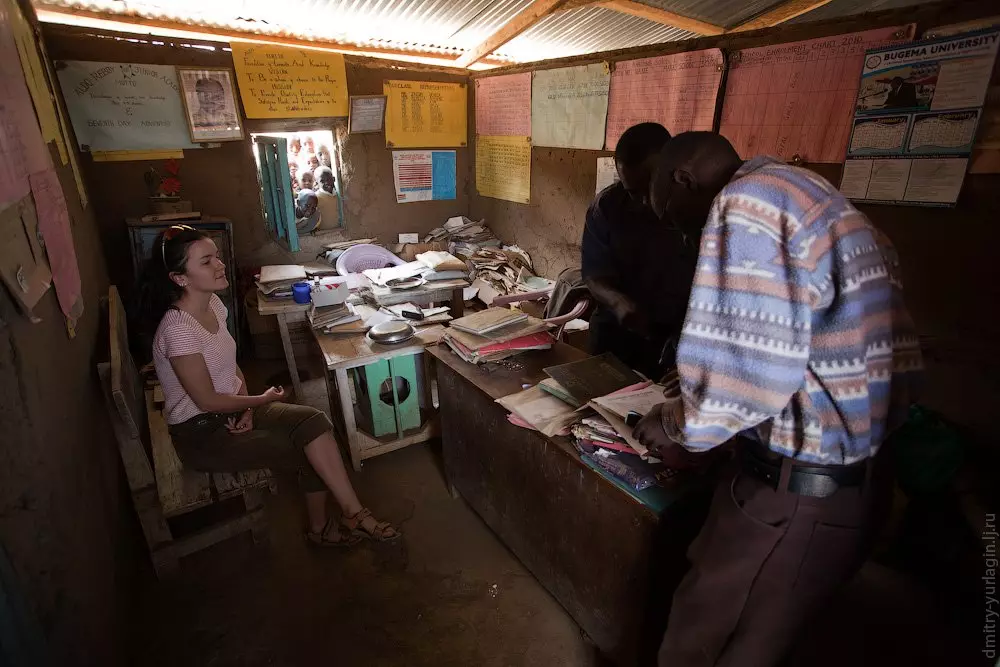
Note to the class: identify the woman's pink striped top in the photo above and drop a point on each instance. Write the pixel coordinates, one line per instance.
(180, 334)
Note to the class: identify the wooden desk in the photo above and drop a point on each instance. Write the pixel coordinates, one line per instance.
(608, 559)
(341, 353)
(281, 308)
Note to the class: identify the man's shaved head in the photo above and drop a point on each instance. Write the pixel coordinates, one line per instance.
(691, 170)
(635, 155)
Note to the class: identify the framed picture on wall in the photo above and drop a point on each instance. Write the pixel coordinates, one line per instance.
(367, 114)
(210, 105)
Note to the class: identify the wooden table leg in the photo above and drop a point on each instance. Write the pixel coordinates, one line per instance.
(286, 344)
(347, 412)
(457, 302)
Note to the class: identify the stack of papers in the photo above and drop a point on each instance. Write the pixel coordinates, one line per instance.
(276, 281)
(339, 319)
(344, 245)
(497, 351)
(438, 260)
(488, 320)
(540, 411)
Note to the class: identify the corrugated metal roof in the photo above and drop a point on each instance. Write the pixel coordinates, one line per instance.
(449, 27)
(586, 30)
(839, 8)
(725, 13)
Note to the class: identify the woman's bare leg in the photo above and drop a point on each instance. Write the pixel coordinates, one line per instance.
(326, 461)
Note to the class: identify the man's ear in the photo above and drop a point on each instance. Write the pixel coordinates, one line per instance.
(685, 179)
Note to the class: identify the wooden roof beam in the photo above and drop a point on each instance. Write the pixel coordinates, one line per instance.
(784, 11)
(658, 15)
(521, 21)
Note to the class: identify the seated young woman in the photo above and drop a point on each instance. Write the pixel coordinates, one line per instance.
(215, 424)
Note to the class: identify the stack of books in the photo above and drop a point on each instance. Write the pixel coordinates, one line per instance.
(496, 333)
(276, 281)
(339, 319)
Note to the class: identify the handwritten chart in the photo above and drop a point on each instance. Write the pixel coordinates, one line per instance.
(285, 82)
(53, 222)
(22, 150)
(503, 168)
(798, 98)
(569, 106)
(503, 105)
(678, 91)
(425, 114)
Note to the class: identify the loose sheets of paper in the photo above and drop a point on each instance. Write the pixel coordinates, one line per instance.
(798, 98)
(503, 168)
(53, 222)
(569, 106)
(678, 91)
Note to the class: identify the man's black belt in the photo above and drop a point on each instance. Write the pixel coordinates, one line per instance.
(817, 481)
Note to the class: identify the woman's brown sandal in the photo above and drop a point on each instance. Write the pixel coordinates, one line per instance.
(341, 540)
(381, 531)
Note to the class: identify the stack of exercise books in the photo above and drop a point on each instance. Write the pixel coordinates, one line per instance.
(276, 281)
(496, 333)
(339, 319)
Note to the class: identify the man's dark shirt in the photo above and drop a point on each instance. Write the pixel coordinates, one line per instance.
(645, 259)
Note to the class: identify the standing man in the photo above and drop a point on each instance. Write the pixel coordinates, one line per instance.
(797, 347)
(637, 269)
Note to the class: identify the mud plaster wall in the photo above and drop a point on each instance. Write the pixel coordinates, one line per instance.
(223, 181)
(66, 519)
(947, 254)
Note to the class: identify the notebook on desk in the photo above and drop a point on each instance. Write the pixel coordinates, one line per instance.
(594, 376)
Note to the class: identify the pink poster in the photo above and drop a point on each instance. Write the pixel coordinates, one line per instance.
(22, 149)
(53, 223)
(798, 98)
(503, 105)
(678, 91)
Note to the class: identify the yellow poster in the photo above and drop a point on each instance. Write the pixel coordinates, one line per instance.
(425, 114)
(285, 82)
(503, 168)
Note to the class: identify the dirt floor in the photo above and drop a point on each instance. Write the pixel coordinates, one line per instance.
(448, 594)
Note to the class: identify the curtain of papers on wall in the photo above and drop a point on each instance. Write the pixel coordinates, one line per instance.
(425, 114)
(285, 82)
(569, 106)
(503, 137)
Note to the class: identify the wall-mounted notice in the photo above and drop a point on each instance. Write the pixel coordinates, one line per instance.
(503, 168)
(124, 106)
(425, 114)
(22, 150)
(916, 114)
(285, 82)
(677, 91)
(423, 175)
(503, 105)
(569, 106)
(367, 114)
(607, 173)
(798, 98)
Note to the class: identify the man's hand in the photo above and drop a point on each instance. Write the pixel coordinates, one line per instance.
(649, 431)
(242, 425)
(632, 317)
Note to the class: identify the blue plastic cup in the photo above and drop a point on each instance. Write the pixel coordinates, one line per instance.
(302, 292)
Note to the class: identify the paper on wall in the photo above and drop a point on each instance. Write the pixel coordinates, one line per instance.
(607, 173)
(503, 105)
(569, 106)
(503, 168)
(22, 149)
(423, 175)
(798, 98)
(54, 224)
(286, 82)
(123, 106)
(425, 114)
(678, 91)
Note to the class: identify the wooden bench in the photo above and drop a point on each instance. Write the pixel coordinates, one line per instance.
(161, 488)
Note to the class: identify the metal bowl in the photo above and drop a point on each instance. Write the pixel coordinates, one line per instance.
(390, 333)
(405, 283)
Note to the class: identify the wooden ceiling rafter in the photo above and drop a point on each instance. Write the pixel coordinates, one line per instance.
(657, 15)
(778, 14)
